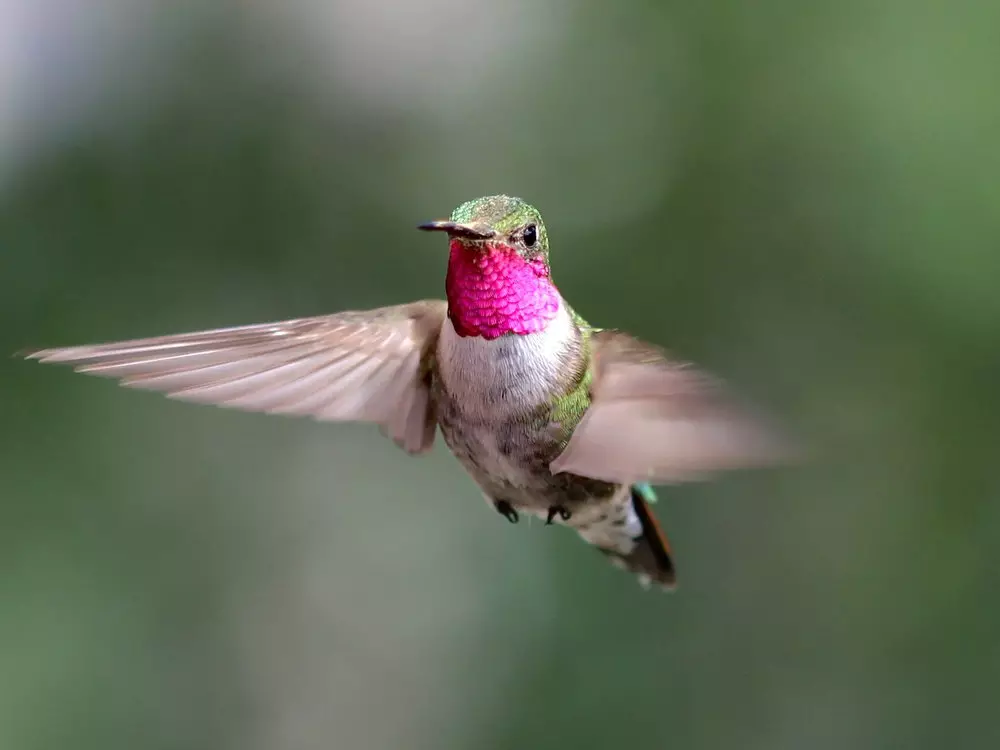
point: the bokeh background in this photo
(802, 197)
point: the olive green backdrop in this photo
(802, 197)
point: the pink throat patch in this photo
(494, 291)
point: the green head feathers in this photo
(518, 222)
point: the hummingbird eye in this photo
(530, 235)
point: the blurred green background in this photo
(803, 197)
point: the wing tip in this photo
(59, 356)
(38, 354)
(775, 447)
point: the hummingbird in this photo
(551, 416)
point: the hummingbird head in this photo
(497, 221)
(498, 268)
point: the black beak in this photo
(465, 231)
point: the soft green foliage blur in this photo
(803, 197)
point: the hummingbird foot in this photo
(506, 510)
(559, 510)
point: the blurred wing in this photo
(655, 420)
(368, 366)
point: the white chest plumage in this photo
(485, 385)
(493, 379)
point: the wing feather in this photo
(652, 419)
(353, 366)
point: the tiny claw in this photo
(564, 514)
(506, 510)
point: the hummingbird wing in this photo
(368, 366)
(653, 419)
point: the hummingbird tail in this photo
(650, 557)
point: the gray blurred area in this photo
(802, 197)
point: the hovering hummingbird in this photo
(549, 415)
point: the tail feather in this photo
(648, 555)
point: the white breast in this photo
(527, 367)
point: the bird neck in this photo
(493, 291)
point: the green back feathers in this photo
(569, 406)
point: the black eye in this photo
(530, 235)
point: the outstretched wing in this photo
(651, 419)
(368, 366)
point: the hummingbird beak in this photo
(477, 231)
